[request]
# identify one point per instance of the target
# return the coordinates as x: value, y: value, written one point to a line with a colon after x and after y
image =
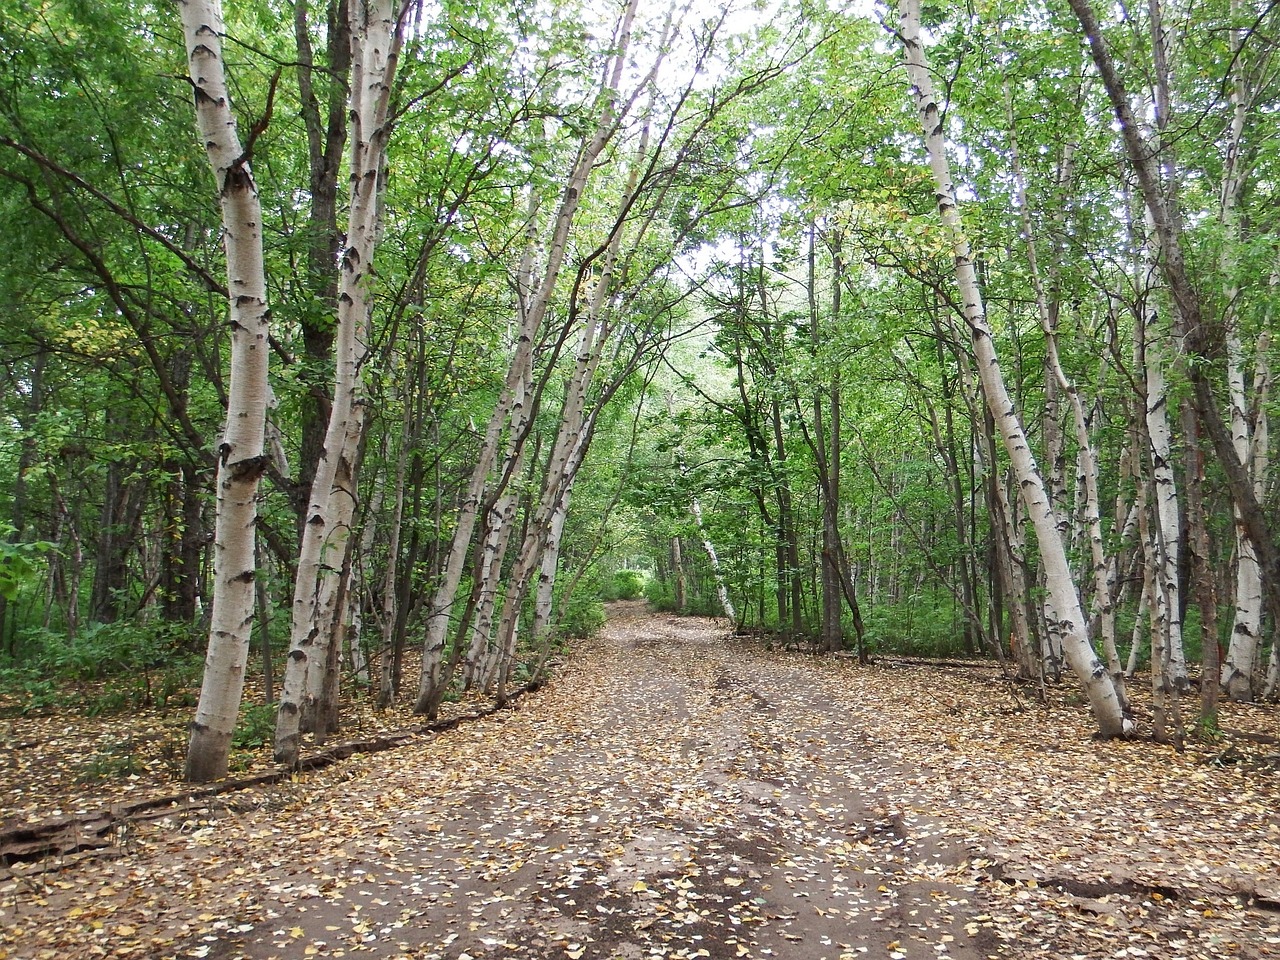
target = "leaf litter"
x: 680, y: 793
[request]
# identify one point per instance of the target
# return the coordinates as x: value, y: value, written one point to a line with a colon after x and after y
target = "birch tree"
x: 507, y: 424
x: 1239, y: 669
x: 1103, y: 599
x: 240, y: 454
x: 376, y: 36
x: 1157, y: 177
x: 1069, y: 616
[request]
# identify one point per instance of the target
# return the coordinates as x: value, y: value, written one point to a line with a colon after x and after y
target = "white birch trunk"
x: 1070, y: 617
x: 722, y: 589
x: 1087, y: 497
x: 375, y: 40
x: 1135, y: 640
x: 240, y: 455
x: 566, y: 458
x: 477, y: 668
x: 545, y: 594
x: 533, y: 308
x: 1238, y: 669
x: 1164, y: 492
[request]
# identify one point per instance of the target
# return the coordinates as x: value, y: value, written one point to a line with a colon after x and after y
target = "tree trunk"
x: 1202, y: 575
x: 376, y: 35
x: 1199, y: 337
x: 240, y: 454
x: 1062, y: 591
x: 324, y: 115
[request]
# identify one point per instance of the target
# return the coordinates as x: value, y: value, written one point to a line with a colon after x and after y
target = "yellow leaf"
x: 639, y: 887
x: 296, y: 932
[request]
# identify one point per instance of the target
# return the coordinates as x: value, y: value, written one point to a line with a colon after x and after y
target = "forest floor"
x: 676, y: 792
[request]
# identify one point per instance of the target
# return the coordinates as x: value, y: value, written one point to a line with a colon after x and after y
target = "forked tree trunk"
x: 240, y: 455
x: 1069, y: 616
x: 322, y: 562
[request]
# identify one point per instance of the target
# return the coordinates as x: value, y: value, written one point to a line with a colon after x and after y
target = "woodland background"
x: 660, y: 302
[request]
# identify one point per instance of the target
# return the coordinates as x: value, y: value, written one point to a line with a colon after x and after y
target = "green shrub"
x: 926, y: 624
x: 103, y: 650
x: 255, y: 727
x: 583, y: 617
x: 628, y: 585
x: 115, y: 761
x: 30, y: 692
x: 661, y: 595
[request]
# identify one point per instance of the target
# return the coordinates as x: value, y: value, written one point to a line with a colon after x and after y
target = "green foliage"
x: 661, y: 595
x: 26, y: 691
x: 627, y: 585
x: 583, y: 617
x: 104, y: 669
x: 926, y: 624
x: 255, y: 727
x: 113, y: 761
x: 104, y: 650
x: 20, y: 567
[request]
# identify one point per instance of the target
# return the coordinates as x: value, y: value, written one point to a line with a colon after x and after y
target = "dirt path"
x: 678, y: 793
x: 672, y: 795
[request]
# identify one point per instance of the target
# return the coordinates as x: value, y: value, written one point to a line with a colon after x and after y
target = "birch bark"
x: 240, y: 455
x: 532, y: 310
x: 376, y: 36
x: 1238, y: 669
x: 1197, y: 334
x: 1087, y: 487
x: 1062, y: 592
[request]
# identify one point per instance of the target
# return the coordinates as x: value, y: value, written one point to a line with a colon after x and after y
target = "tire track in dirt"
x: 673, y: 794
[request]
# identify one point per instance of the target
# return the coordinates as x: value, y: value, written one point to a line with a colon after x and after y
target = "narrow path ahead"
x: 673, y: 794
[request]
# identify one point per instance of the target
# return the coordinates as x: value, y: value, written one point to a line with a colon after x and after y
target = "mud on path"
x: 674, y: 793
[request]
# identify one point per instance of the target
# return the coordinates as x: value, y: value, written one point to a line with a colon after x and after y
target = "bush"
x: 255, y: 727
x: 102, y: 650
x: 583, y: 617
x: 28, y: 692
x: 926, y: 624
x: 661, y: 595
x: 113, y: 761
x: 627, y: 585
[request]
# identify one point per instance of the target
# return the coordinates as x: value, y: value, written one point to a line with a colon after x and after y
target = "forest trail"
x: 675, y: 792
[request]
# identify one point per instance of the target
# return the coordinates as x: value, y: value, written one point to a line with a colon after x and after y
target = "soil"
x: 677, y: 792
